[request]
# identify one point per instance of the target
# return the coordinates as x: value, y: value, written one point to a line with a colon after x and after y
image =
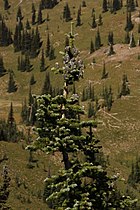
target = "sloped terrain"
x: 119, y: 130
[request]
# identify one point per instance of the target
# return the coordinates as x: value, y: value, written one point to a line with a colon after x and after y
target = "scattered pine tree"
x: 12, y: 87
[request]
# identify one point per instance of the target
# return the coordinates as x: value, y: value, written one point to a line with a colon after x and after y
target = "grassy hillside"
x: 120, y: 128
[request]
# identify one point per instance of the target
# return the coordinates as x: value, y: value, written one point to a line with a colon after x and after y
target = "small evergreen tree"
x: 33, y: 14
x: 78, y: 20
x: 125, y: 86
x: 111, y: 50
x: 132, y: 41
x: 100, y: 21
x: 104, y: 6
x: 110, y: 38
x: 6, y: 4
x: 104, y: 73
x: 116, y: 5
x: 12, y: 87
x: 32, y: 80
x: 129, y: 25
x: 24, y: 112
x: 28, y: 27
x: 97, y: 40
x: 127, y: 38
x: 84, y: 3
x: 39, y: 18
x: 66, y: 13
x: 48, y: 46
x: 91, y: 47
x: 94, y: 24
x: 47, y: 88
x: 91, y: 110
x: 19, y: 14
x: 52, y: 53
x: 42, y: 62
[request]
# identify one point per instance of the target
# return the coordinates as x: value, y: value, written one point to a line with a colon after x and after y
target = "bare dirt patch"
x: 122, y: 52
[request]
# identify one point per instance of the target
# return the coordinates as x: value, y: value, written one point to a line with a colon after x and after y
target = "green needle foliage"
x: 82, y: 182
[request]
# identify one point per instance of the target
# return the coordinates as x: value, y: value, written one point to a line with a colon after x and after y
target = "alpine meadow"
x: 69, y: 104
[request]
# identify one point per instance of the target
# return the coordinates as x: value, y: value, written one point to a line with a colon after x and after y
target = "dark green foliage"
x: 97, y: 40
x: 129, y: 25
x: 104, y: 6
x: 100, y: 22
x: 47, y: 88
x: 17, y: 38
x: 108, y: 97
x: 48, y: 46
x: 66, y: 13
x: 104, y: 73
x: 110, y: 38
x: 91, y: 47
x: 42, y: 62
x: 8, y: 130
x: 130, y: 5
x: 6, y: 4
x: 84, y: 3
x: 39, y: 18
x: 127, y: 38
x: 5, y: 34
x: 84, y: 95
x: 116, y: 5
x: 91, y: 110
x: 125, y: 86
x: 19, y: 14
x: 5, y: 189
x: 12, y: 87
x: 48, y: 4
x: 52, y: 53
x: 94, y: 24
x: 132, y: 41
x: 78, y: 20
x: 24, y: 112
x: 26, y: 41
x: 32, y: 108
x: 32, y: 80
x: 28, y: 27
x: 24, y: 63
x: 33, y: 14
x: 2, y: 68
x: 111, y: 50
x: 82, y: 183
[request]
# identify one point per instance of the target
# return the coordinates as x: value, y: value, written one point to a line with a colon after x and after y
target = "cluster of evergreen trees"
x: 115, y: 5
x: 8, y: 129
x: 111, y: 5
x: 125, y: 90
x: 5, y: 33
x: 27, y: 41
x: 24, y: 63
